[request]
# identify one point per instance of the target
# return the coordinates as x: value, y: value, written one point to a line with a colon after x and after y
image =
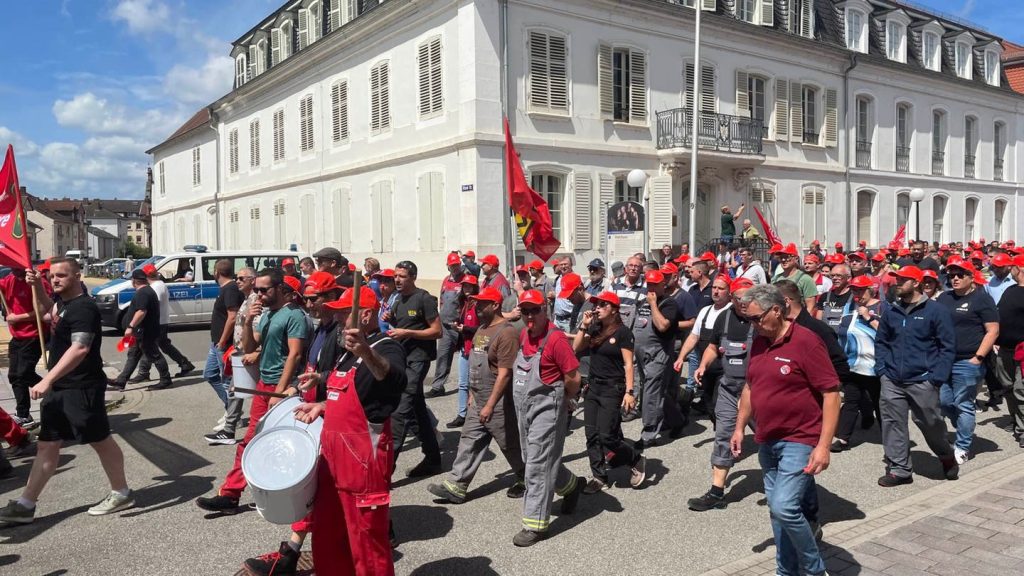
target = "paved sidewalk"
x: 971, y: 526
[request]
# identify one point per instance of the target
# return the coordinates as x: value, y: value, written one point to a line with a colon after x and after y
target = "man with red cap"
x: 493, y: 278
x: 812, y: 263
x: 448, y: 345
x: 288, y: 265
x: 546, y: 376
x: 915, y: 347
x: 789, y: 268
x: 470, y: 263
x: 918, y: 258
x: 24, y: 350
x: 839, y: 248
x: 539, y: 281
x: 1011, y: 334
x: 654, y: 334
x: 491, y: 414
x: 156, y: 282
x: 998, y: 281
x: 567, y: 284
x: 858, y: 263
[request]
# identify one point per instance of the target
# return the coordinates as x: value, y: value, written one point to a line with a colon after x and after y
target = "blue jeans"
x: 788, y: 491
x: 463, y: 383
x: 956, y: 398
x: 692, y: 363
x: 213, y: 372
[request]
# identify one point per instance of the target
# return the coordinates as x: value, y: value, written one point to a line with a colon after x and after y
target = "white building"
x: 378, y: 128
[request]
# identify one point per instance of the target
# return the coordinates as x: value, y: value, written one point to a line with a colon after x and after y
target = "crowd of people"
x: 798, y: 347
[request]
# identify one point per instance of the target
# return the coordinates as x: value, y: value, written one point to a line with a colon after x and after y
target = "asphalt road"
x: 618, y: 531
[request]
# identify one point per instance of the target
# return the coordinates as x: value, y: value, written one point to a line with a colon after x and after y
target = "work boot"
x: 950, y: 468
x: 517, y: 490
x: 890, y: 480
x: 456, y: 423
x: 526, y: 538
x: 284, y: 562
x: 444, y: 492
x: 115, y: 385
x: 424, y: 469
x: 708, y: 501
x: 222, y: 504
x: 434, y: 393
x: 185, y: 369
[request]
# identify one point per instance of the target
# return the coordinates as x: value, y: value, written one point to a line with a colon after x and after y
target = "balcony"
x: 810, y: 137
x: 997, y: 170
x: 903, y: 158
x: 863, y: 154
x: 718, y: 132
x: 938, y: 163
x: 969, y: 160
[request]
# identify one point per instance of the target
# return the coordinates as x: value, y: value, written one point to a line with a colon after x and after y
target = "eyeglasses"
x: 312, y: 298
x: 242, y: 278
x: 602, y: 304
x: 960, y: 275
x: 838, y: 275
x: 263, y: 290
x: 760, y: 318
x: 785, y: 257
x: 530, y: 311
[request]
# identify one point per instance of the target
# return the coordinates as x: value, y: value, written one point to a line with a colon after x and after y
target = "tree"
x: 129, y: 248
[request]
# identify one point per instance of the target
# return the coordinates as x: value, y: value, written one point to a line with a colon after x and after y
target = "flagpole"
x: 509, y: 230
x: 35, y: 296
x: 694, y: 118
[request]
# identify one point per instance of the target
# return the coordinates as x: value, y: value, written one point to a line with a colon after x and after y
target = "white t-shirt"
x: 708, y: 315
x: 754, y: 272
x: 165, y: 307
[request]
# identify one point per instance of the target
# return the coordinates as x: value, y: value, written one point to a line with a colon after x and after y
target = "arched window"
x: 856, y: 30
x: 998, y: 150
x: 865, y: 216
x: 904, y: 136
x: 932, y: 56
x: 865, y: 130
x: 903, y: 213
x: 812, y: 220
x: 939, y: 133
x: 241, y: 70
x: 999, y: 223
x: 940, y: 205
x: 970, y: 218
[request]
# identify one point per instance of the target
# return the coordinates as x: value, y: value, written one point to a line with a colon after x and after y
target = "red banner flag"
x: 901, y: 236
x: 14, y: 245
x: 768, y: 232
x: 532, y: 215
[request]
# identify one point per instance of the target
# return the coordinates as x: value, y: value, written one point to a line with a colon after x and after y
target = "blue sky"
x: 88, y: 85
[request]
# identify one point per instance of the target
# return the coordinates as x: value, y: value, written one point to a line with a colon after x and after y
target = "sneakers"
x: 961, y: 456
x: 517, y: 490
x: 434, y: 393
x: 890, y: 480
x: 139, y: 379
x: 115, y: 385
x: 951, y: 469
x: 630, y: 416
x: 186, y: 369
x: 161, y: 385
x: 114, y: 502
x: 570, y: 500
x: 15, y: 513
x: 708, y: 501
x: 284, y: 562
x: 595, y: 485
x: 221, y: 437
x: 442, y: 491
x: 456, y: 423
x: 839, y: 446
x: 526, y: 538
x: 26, y: 448
x: 28, y: 423
x: 221, y: 504
x: 424, y: 469
x: 638, y: 473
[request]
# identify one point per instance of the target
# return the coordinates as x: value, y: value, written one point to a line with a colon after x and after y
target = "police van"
x: 190, y: 283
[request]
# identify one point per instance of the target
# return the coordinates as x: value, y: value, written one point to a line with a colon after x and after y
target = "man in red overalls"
x: 351, y: 506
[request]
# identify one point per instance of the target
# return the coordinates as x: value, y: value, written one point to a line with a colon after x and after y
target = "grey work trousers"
x: 1008, y: 371
x: 659, y: 407
x: 726, y: 410
x: 503, y: 428
x: 447, y: 347
x: 922, y: 400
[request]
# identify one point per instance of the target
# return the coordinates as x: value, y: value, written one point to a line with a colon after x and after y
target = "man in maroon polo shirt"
x: 792, y: 393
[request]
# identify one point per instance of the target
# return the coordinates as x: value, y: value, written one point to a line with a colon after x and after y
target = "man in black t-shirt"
x: 654, y: 333
x: 917, y: 258
x: 222, y: 327
x: 72, y: 390
x: 1011, y: 333
x: 417, y: 326
x: 144, y: 326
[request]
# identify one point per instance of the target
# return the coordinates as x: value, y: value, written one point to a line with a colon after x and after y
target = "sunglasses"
x: 760, y: 318
x: 242, y: 278
x: 312, y: 298
x: 960, y: 275
x: 602, y: 304
x: 530, y: 311
x: 263, y: 290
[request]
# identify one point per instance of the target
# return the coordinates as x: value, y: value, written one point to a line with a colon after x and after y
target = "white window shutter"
x: 767, y: 13
x: 375, y: 123
x: 233, y: 151
x: 339, y: 111
x: 349, y: 11
x: 606, y: 196
x: 604, y: 81
x: 742, y: 95
x: 637, y: 87
x: 796, y: 112
x: 831, y: 117
x: 708, y: 5
x: 387, y: 220
x: 781, y: 109
x: 437, y: 212
x: 436, y: 87
x: 376, y: 212
x: 303, y: 28
x: 537, y: 88
x: 335, y: 14
x: 425, y: 212
x: 343, y: 220
x: 253, y: 59
x: 423, y: 66
x: 688, y: 82
x: 660, y: 216
x: 708, y: 102
x: 385, y: 102
x: 807, y: 19
x: 275, y: 46
x: 558, y: 73
x: 583, y: 217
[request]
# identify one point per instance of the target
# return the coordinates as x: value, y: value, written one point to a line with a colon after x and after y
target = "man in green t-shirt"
x: 789, y: 262
x: 729, y: 223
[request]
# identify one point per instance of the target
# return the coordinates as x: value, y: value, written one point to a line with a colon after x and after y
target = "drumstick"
x: 353, y: 317
x: 261, y: 392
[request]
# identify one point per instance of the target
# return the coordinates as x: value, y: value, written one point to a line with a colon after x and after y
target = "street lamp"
x: 916, y: 195
x: 636, y: 179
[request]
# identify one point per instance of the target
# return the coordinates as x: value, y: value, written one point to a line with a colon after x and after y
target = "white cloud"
x: 23, y: 147
x: 143, y: 16
x: 202, y: 85
x: 97, y: 115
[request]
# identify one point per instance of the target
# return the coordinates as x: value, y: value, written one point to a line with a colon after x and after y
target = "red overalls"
x: 10, y: 431
x: 350, y: 509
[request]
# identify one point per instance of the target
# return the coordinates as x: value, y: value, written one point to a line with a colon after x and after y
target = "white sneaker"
x: 114, y: 502
x: 961, y: 455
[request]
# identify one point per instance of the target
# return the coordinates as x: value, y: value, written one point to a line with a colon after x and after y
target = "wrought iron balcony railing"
x: 721, y: 132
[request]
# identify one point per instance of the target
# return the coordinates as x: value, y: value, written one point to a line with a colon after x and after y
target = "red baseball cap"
x: 979, y: 278
x: 815, y: 242
x: 367, y: 299
x: 470, y: 253
x: 532, y: 297
x: 976, y: 255
x: 958, y: 262
x: 904, y: 251
x: 149, y: 269
x: 813, y: 257
x: 288, y: 262
x: 1018, y: 260
x: 45, y: 265
x: 293, y: 283
x: 385, y: 273
x: 930, y: 274
x: 470, y: 279
x: 609, y: 297
x: 911, y: 272
x: 789, y: 249
x: 741, y: 284
x: 1001, y: 260
x: 683, y: 259
x: 835, y: 258
x: 863, y: 243
x: 655, y: 276
x: 943, y: 247
x: 858, y: 255
x: 522, y: 269
x: 878, y: 257
x: 862, y: 281
x: 318, y: 283
x: 839, y: 245
x: 453, y: 259
x: 708, y: 257
x: 536, y: 265
x: 570, y: 282
x: 490, y: 259
x: 488, y: 295
x: 669, y: 268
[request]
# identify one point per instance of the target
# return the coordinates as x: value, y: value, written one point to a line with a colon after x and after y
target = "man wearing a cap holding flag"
x: 491, y: 414
x: 450, y: 307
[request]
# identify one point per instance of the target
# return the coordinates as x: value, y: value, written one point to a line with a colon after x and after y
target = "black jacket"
x: 828, y: 336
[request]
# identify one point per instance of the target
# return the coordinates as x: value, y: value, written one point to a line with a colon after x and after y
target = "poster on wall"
x: 625, y: 230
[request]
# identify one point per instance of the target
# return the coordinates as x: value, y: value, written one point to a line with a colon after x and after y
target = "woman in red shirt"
x: 466, y: 327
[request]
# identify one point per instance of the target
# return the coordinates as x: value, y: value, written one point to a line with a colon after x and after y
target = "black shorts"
x: 74, y: 414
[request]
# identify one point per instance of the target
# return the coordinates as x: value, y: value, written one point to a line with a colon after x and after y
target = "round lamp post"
x: 916, y: 195
x: 637, y: 178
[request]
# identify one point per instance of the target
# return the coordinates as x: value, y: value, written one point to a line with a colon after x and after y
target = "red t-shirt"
x: 468, y: 319
x: 786, y: 384
x: 558, y: 358
x: 19, y: 301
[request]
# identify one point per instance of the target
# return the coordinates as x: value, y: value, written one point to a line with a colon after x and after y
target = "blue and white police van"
x: 190, y: 282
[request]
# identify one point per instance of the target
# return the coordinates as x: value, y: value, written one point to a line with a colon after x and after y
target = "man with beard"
x: 789, y: 261
x: 918, y: 258
x: 832, y: 304
x: 597, y: 282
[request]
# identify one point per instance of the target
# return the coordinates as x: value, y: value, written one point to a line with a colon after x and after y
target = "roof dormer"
x: 962, y: 45
x: 991, y: 54
x: 896, y: 23
x: 931, y: 44
x: 282, y: 37
x: 856, y: 14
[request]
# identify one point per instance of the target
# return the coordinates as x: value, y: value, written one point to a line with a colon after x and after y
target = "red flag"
x: 901, y: 236
x: 14, y: 246
x: 768, y: 232
x: 531, y: 211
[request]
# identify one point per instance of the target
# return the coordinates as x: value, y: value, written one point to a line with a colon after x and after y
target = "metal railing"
x: 938, y: 163
x: 969, y: 162
x: 903, y: 158
x: 810, y: 137
x: 997, y: 170
x: 863, y: 154
x: 722, y: 132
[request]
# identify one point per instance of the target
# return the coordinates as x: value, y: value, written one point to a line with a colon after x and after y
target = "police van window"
x: 238, y: 262
x: 177, y: 270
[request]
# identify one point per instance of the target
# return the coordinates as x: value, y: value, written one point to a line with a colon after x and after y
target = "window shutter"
x: 548, y: 88
x: 339, y: 111
x: 637, y: 87
x: 742, y: 95
x: 436, y: 89
x: 350, y: 11
x: 335, y: 14
x: 386, y: 219
x: 342, y: 220
x: 375, y: 99
x: 275, y: 46
x: 708, y: 102
x: 233, y: 151
x: 583, y: 221
x: 538, y: 85
x: 831, y: 117
x: 606, y: 185
x: 430, y: 90
x: 768, y: 13
x: 660, y: 207
x: 557, y: 73
x: 708, y: 5
x: 253, y: 59
x: 425, y: 212
x: 807, y: 19
x: 796, y: 112
x: 437, y: 213
x: 424, y: 77
x: 385, y: 102
x: 254, y: 144
x: 688, y: 86
x: 781, y: 109
x: 604, y: 81
x: 303, y: 28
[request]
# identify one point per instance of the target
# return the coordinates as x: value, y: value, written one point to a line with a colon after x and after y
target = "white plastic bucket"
x: 283, y: 414
x: 244, y: 376
x: 280, y: 467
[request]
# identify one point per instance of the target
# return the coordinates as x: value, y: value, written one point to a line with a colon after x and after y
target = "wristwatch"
x: 979, y: 357
x: 630, y: 393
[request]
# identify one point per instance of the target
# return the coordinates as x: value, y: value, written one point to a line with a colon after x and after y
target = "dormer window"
x: 801, y: 18
x: 856, y: 30
x: 963, y: 60
x: 896, y: 36
x: 241, y: 70
x: 931, y: 55
x: 756, y: 11
x: 992, y: 72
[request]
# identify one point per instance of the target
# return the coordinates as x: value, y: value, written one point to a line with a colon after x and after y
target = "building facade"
x: 377, y: 127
